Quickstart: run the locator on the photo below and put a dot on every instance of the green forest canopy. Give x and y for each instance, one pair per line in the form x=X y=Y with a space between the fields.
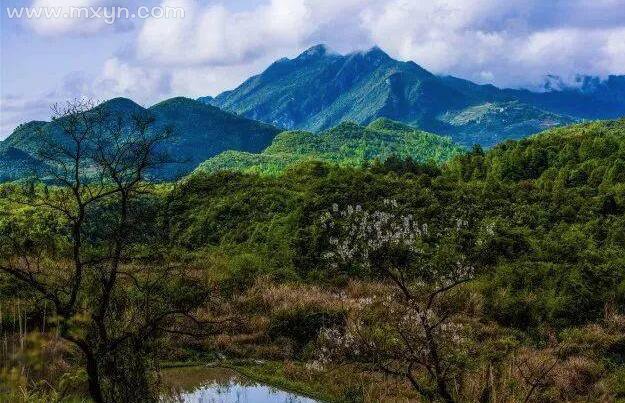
x=347 y=144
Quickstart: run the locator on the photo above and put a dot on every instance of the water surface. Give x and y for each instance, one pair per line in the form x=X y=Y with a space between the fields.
x=220 y=385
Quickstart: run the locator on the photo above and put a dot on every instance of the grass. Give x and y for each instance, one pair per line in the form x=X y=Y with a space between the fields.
x=273 y=373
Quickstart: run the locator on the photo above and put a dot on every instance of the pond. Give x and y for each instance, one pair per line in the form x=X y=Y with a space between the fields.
x=220 y=385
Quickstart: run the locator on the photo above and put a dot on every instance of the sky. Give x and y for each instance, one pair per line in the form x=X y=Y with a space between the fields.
x=201 y=47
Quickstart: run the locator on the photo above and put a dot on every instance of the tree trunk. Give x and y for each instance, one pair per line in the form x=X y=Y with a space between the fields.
x=443 y=391
x=93 y=376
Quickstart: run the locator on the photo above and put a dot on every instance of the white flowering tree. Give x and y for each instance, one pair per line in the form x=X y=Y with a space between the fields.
x=414 y=330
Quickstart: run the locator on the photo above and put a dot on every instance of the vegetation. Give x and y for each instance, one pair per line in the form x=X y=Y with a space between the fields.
x=496 y=276
x=348 y=144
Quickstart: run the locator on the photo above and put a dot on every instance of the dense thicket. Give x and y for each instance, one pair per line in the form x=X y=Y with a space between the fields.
x=546 y=218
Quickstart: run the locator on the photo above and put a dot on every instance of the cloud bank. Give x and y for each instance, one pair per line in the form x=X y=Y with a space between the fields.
x=512 y=43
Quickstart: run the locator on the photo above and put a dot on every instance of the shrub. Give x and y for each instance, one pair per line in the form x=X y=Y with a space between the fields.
x=302 y=324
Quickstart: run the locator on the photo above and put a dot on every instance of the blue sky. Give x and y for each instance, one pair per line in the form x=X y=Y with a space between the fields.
x=217 y=44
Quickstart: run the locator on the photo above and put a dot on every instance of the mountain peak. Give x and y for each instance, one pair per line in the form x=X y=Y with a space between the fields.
x=376 y=51
x=120 y=103
x=314 y=51
x=177 y=102
x=321 y=88
x=323 y=50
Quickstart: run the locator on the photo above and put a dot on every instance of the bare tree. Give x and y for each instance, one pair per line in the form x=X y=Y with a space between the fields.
x=108 y=303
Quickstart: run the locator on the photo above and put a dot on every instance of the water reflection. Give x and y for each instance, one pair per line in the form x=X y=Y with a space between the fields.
x=220 y=385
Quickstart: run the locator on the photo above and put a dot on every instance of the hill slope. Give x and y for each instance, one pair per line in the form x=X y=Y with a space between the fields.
x=346 y=144
x=590 y=154
x=491 y=122
x=200 y=131
x=319 y=89
x=16 y=164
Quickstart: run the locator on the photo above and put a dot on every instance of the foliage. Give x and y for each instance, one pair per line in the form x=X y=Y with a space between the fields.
x=545 y=216
x=348 y=144
x=541 y=220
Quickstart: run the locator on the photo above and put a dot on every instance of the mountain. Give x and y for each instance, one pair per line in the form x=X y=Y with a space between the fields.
x=16 y=164
x=491 y=122
x=589 y=98
x=346 y=144
x=319 y=89
x=200 y=131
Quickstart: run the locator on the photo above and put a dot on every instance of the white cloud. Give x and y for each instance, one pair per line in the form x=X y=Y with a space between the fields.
x=516 y=42
x=139 y=83
x=613 y=51
x=147 y=85
x=214 y=35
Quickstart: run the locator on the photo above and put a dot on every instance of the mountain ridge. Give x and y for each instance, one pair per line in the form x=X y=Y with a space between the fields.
x=319 y=88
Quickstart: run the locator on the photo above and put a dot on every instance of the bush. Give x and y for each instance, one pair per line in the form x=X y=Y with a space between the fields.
x=302 y=324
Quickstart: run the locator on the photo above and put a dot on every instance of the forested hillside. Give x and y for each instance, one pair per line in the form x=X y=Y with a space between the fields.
x=348 y=144
x=553 y=202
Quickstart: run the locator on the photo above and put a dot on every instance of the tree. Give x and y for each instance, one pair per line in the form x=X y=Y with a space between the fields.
x=112 y=299
x=413 y=329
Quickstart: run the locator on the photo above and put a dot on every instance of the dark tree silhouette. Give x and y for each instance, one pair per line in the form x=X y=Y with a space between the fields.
x=109 y=303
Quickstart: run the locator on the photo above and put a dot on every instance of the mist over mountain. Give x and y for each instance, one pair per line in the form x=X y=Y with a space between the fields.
x=319 y=89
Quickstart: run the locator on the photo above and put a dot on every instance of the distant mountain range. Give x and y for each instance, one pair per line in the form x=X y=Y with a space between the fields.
x=319 y=89
x=348 y=144
x=200 y=131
